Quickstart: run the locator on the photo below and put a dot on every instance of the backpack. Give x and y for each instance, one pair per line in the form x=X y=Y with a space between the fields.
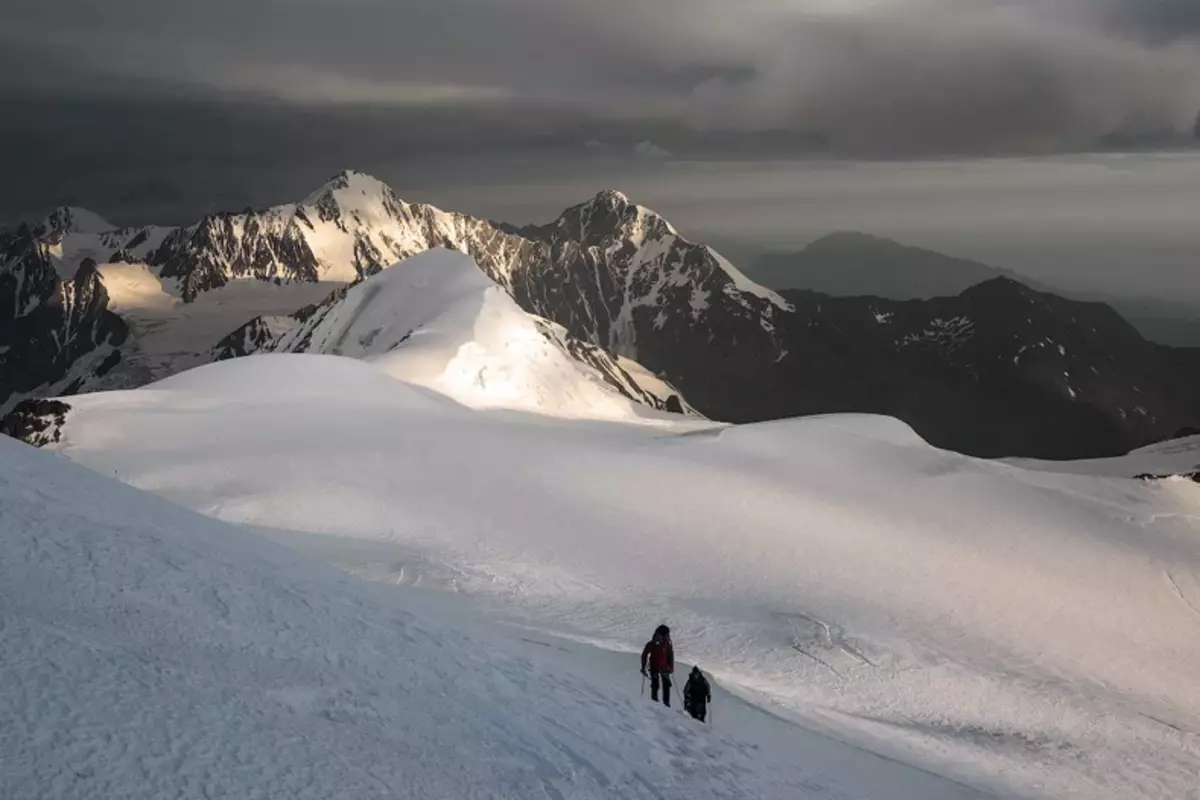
x=660 y=653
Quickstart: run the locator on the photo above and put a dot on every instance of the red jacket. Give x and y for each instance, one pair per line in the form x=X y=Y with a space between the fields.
x=659 y=655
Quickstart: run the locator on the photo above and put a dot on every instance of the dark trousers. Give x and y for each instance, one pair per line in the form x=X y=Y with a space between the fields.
x=665 y=677
x=697 y=710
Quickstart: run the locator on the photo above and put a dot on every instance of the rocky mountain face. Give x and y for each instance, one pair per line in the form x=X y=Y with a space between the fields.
x=997 y=370
x=612 y=273
x=1001 y=369
x=55 y=335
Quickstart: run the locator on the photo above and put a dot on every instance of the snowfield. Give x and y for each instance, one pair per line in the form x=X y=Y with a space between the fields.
x=1023 y=629
x=170 y=336
x=1029 y=633
x=150 y=652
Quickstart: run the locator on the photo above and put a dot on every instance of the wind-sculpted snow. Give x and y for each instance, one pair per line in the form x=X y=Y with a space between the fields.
x=1027 y=632
x=150 y=652
x=436 y=320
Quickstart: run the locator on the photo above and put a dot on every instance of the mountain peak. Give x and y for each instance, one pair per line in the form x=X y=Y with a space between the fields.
x=848 y=237
x=72 y=219
x=352 y=181
x=611 y=197
x=1003 y=285
x=354 y=193
x=613 y=210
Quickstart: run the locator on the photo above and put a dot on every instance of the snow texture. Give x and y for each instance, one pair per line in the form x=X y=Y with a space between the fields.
x=1026 y=632
x=436 y=321
x=150 y=652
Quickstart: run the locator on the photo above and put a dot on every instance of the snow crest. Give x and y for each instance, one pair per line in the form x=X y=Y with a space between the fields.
x=435 y=320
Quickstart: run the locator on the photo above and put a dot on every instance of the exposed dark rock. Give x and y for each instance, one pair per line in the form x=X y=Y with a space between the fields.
x=1191 y=476
x=999 y=370
x=252 y=337
x=55 y=335
x=36 y=422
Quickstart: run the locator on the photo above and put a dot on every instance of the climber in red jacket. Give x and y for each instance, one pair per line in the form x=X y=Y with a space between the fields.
x=659 y=656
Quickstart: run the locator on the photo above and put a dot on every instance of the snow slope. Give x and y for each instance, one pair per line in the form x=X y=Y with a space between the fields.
x=435 y=320
x=150 y=652
x=1027 y=632
x=1174 y=457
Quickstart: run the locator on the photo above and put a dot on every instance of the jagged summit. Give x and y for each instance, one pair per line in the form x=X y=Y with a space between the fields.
x=611 y=212
x=72 y=219
x=613 y=197
x=350 y=181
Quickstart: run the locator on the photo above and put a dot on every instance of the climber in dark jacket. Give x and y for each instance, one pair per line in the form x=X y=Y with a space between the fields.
x=659 y=656
x=697 y=694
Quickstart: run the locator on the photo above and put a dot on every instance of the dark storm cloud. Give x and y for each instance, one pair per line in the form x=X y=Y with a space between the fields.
x=893 y=76
x=962 y=77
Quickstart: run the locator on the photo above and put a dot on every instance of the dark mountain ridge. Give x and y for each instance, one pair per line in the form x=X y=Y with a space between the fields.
x=55 y=334
x=851 y=264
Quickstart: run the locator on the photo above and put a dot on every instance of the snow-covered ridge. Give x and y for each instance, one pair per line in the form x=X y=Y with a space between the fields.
x=355 y=225
x=435 y=320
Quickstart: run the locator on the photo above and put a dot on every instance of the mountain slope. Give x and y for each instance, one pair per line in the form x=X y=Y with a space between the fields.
x=950 y=612
x=1003 y=369
x=56 y=335
x=435 y=320
x=150 y=652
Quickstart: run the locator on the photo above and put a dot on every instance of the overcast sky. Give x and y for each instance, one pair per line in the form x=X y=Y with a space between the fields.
x=154 y=94
x=871 y=74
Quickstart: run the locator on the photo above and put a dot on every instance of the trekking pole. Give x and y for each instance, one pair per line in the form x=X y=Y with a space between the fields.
x=643 y=684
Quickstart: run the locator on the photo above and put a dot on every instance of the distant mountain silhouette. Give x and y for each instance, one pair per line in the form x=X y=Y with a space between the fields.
x=851 y=264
